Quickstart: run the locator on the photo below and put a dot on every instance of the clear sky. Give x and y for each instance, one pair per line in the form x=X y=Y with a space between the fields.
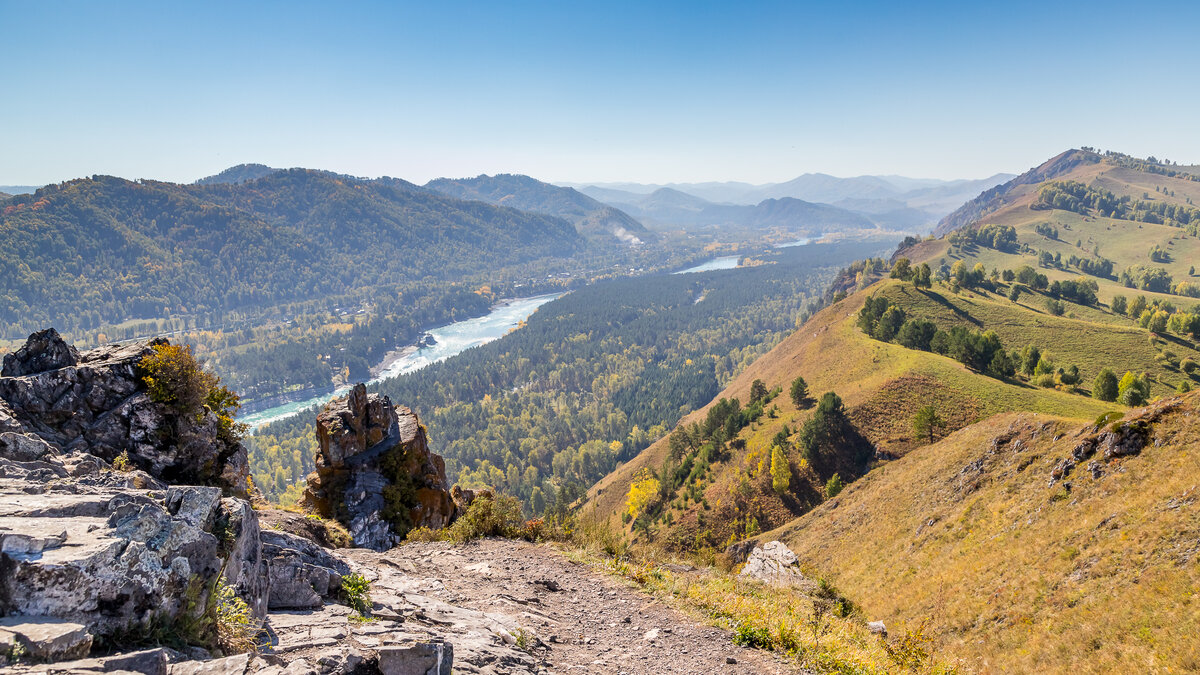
x=563 y=91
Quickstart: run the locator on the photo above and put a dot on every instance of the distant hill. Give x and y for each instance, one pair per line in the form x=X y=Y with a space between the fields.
x=18 y=189
x=668 y=207
x=894 y=202
x=102 y=250
x=785 y=212
x=594 y=219
x=235 y=175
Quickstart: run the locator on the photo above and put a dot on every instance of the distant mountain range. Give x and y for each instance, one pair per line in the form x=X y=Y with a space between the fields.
x=592 y=218
x=667 y=207
x=895 y=202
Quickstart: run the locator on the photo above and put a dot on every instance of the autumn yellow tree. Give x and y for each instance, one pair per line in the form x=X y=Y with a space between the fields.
x=781 y=473
x=642 y=492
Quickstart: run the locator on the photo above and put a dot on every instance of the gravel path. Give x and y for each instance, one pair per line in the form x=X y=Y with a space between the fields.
x=573 y=618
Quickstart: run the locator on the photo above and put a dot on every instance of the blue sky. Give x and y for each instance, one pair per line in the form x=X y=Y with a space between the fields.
x=641 y=91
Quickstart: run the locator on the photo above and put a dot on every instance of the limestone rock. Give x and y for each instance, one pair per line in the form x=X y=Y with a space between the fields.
x=775 y=564
x=421 y=658
x=45 y=350
x=116 y=560
x=303 y=575
x=375 y=471
x=877 y=628
x=145 y=662
x=47 y=638
x=96 y=402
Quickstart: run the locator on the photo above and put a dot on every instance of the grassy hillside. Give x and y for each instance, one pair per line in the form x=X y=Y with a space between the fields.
x=1014 y=571
x=712 y=490
x=882 y=386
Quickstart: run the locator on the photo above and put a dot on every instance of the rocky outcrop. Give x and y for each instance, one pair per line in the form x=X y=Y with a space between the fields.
x=121 y=561
x=774 y=563
x=45 y=350
x=375 y=472
x=97 y=403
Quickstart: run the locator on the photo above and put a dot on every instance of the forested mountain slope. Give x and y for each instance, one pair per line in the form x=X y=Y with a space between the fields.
x=102 y=250
x=593 y=219
x=591 y=378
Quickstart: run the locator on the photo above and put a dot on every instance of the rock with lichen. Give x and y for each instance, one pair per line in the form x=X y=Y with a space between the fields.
x=375 y=472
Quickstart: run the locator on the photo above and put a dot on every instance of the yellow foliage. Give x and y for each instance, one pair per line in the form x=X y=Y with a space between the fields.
x=641 y=492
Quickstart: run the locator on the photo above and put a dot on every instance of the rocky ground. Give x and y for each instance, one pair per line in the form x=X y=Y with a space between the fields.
x=511 y=606
x=126 y=540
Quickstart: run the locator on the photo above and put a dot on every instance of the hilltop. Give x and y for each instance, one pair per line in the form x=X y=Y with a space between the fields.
x=593 y=219
x=236 y=175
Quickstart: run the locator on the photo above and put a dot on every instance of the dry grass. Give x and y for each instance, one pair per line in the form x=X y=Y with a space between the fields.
x=820 y=632
x=1016 y=576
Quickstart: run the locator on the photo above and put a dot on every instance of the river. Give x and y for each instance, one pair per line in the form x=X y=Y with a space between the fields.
x=725 y=262
x=450 y=340
x=728 y=262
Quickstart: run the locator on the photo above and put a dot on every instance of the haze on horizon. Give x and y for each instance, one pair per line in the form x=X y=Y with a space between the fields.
x=623 y=92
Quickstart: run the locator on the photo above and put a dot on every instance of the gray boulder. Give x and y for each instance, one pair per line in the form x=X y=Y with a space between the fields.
x=774 y=563
x=121 y=560
x=303 y=575
x=45 y=350
x=47 y=639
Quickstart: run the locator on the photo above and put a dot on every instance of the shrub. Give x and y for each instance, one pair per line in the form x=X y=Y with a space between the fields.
x=833 y=486
x=1046 y=381
x=489 y=516
x=356 y=591
x=174 y=377
x=236 y=628
x=1105 y=387
x=122 y=462
x=754 y=637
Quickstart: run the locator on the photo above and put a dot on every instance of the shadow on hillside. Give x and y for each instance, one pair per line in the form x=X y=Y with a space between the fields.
x=940 y=299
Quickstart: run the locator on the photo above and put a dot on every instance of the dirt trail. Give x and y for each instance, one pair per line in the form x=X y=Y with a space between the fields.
x=573 y=618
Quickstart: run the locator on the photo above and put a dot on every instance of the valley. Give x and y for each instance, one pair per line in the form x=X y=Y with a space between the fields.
x=661 y=407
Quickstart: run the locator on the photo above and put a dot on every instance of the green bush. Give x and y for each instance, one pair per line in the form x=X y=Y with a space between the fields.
x=833 y=486
x=489 y=516
x=356 y=591
x=754 y=637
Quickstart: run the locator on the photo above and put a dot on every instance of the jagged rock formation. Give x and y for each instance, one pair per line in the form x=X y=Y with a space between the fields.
x=375 y=472
x=96 y=403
